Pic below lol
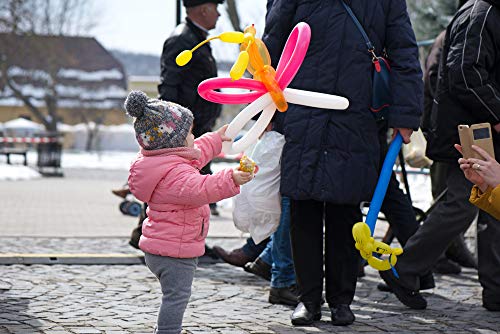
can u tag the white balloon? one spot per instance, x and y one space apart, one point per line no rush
317 100
262 103
266 104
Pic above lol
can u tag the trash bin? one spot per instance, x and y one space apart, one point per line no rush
49 150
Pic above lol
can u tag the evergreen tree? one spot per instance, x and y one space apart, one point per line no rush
430 17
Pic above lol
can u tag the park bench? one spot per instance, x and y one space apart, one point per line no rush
8 151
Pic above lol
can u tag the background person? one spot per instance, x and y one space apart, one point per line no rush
180 84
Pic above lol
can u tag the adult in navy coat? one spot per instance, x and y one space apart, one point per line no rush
330 159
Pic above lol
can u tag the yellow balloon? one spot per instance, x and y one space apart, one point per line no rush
259 56
184 57
367 245
232 37
239 67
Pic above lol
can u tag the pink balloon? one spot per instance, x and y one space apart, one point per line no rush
207 90
293 54
292 57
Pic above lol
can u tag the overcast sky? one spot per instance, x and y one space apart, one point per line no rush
143 25
133 25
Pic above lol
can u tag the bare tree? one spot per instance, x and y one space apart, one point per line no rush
27 18
47 17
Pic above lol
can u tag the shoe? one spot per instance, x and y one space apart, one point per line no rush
121 192
459 253
426 283
259 268
491 306
446 267
214 211
306 315
236 257
284 296
342 315
410 298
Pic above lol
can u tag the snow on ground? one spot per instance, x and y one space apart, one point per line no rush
17 172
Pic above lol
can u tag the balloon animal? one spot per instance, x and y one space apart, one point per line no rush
362 232
268 89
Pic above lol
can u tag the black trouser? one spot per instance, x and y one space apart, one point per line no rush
450 218
341 257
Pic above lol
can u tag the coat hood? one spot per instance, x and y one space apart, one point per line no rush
152 166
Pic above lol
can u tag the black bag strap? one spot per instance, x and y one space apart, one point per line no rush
369 45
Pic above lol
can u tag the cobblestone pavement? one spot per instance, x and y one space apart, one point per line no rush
124 299
118 299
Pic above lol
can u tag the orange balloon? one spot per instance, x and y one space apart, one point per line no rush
267 75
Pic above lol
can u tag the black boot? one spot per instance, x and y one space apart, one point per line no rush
342 315
306 314
410 298
284 296
259 268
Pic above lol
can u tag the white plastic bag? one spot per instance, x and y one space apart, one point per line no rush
414 152
257 208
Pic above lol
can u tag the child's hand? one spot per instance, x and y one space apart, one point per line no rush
240 177
222 133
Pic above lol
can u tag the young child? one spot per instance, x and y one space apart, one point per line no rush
166 175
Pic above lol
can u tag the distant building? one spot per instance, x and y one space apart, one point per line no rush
87 77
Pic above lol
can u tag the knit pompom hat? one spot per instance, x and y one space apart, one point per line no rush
158 124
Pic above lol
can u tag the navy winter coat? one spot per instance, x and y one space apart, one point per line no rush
333 155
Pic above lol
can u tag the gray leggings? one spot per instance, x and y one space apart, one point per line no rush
176 278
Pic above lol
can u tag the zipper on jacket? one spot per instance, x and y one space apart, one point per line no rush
202 227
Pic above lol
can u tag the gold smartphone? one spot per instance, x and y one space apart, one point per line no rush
476 134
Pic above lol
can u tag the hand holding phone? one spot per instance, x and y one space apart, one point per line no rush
476 134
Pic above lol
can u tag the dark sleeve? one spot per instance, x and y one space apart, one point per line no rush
279 24
470 78
430 80
170 75
406 74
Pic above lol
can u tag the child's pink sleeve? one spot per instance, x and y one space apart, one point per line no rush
210 145
196 190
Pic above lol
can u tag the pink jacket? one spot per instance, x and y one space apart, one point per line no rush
178 196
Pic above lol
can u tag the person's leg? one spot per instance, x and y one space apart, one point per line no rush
253 250
283 289
306 231
241 256
176 278
283 273
450 218
488 234
341 256
261 266
341 260
398 211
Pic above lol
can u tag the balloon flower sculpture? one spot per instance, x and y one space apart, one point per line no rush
268 88
363 232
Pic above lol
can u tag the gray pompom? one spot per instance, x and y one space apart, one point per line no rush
135 103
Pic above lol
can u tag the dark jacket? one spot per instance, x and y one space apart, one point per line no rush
180 84
430 80
469 78
333 155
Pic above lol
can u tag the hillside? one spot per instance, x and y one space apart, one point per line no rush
138 63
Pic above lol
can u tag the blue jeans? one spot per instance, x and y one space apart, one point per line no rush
278 251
